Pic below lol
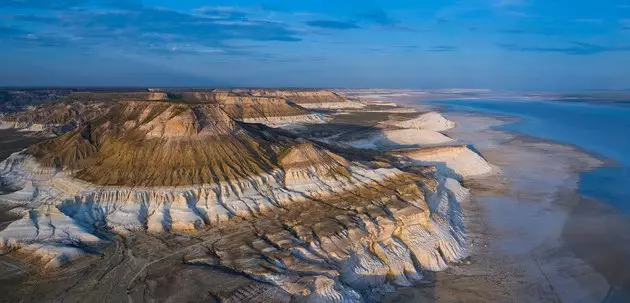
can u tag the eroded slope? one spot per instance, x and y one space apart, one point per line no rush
158 144
311 224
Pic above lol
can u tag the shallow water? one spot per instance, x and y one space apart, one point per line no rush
601 129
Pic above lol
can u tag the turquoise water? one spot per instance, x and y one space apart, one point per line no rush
601 129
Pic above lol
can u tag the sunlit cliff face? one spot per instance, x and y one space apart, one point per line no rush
289 211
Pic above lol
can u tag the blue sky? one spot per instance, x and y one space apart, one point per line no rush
498 44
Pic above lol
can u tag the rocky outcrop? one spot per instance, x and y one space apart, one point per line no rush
457 162
428 121
270 111
277 209
317 231
70 111
420 141
317 222
396 138
159 144
26 126
395 132
315 99
80 107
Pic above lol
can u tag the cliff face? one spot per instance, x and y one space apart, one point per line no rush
53 117
69 111
428 121
315 99
266 110
320 231
78 108
457 162
158 144
269 206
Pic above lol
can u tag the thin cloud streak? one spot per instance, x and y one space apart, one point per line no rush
576 48
332 24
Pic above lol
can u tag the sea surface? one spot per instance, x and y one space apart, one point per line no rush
600 129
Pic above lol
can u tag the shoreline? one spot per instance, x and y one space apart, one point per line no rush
507 119
442 250
593 279
521 248
524 231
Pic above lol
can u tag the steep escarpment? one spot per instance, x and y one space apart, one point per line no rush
245 106
458 162
69 111
263 204
55 117
158 144
313 99
397 132
265 110
322 231
430 121
79 107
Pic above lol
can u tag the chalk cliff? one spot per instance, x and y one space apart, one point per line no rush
280 209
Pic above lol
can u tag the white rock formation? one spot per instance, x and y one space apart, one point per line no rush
282 121
273 208
320 99
454 161
341 228
391 138
333 105
430 121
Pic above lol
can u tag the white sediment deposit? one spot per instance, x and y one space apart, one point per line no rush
391 138
428 145
333 105
268 206
6 125
428 121
417 132
279 121
454 161
277 209
62 218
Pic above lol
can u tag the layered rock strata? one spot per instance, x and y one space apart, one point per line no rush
282 210
457 162
315 99
78 108
424 130
429 121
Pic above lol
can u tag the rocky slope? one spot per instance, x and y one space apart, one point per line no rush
397 132
429 121
458 162
158 144
314 99
419 141
272 111
311 221
79 107
69 111
313 224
